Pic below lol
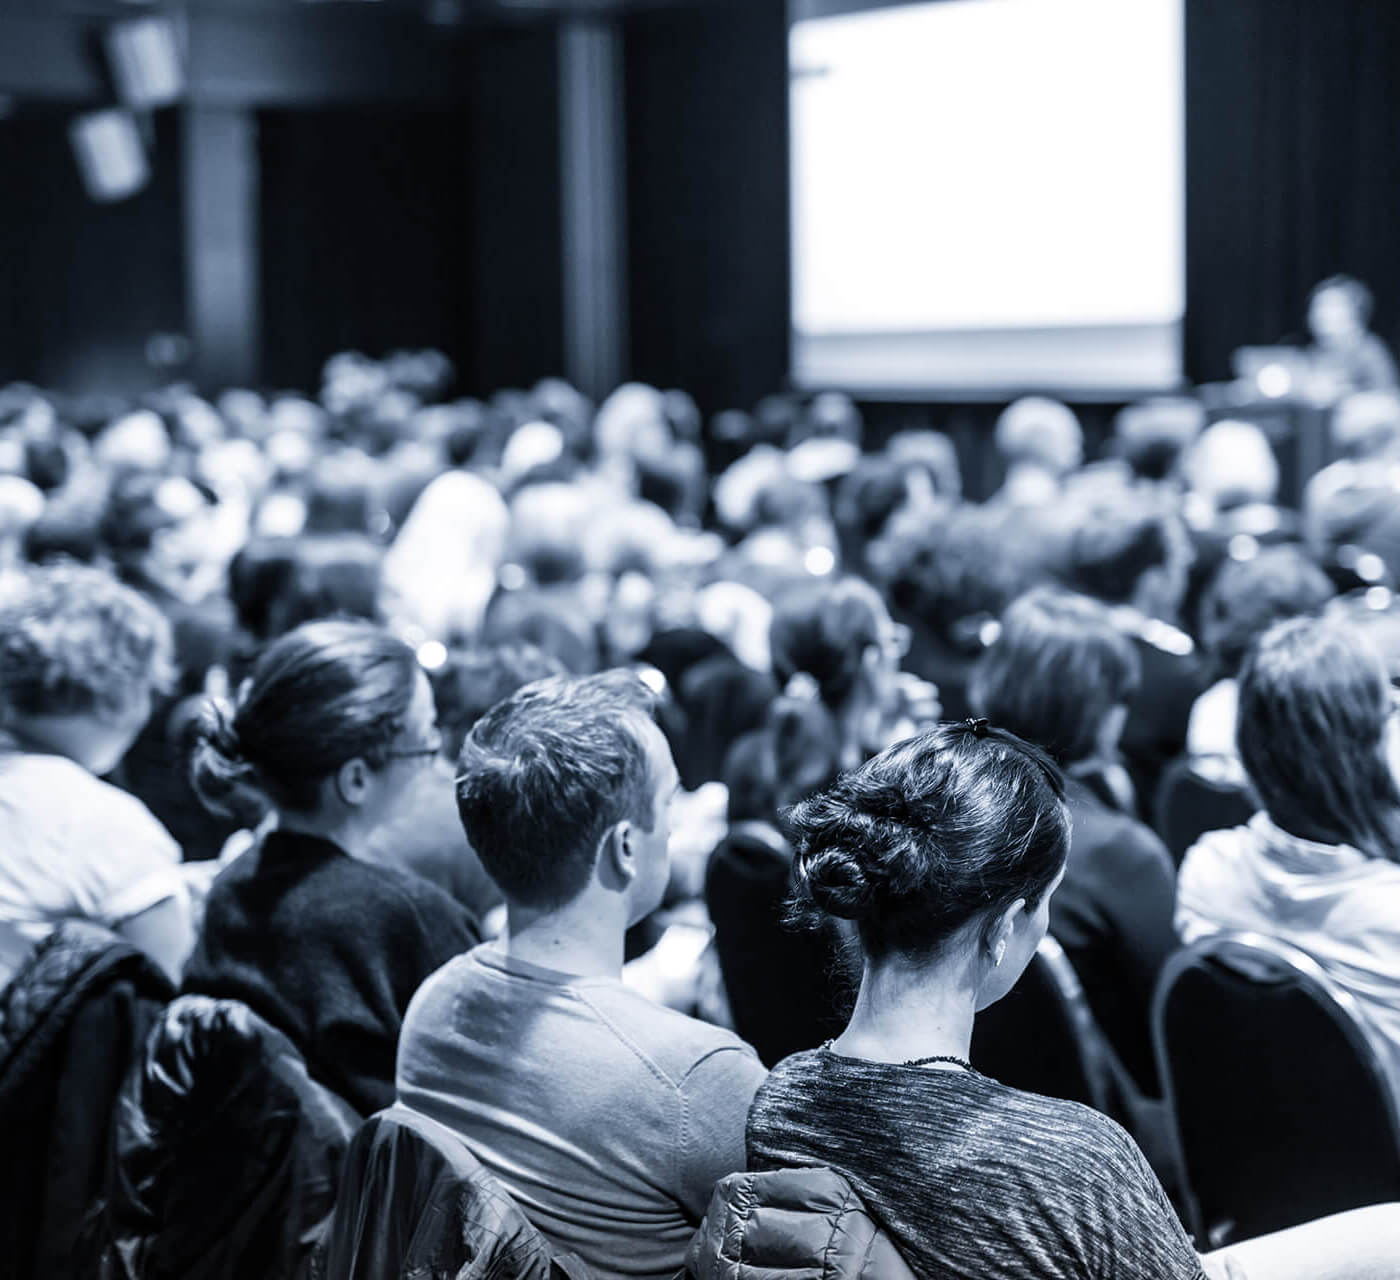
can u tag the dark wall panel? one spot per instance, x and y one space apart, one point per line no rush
708 198
361 213
514 234
84 285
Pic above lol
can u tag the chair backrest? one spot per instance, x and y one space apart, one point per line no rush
1189 804
415 1201
1042 1037
1279 1092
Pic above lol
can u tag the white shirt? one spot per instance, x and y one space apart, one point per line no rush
1333 902
1210 734
75 847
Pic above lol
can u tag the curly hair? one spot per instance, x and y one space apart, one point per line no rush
75 640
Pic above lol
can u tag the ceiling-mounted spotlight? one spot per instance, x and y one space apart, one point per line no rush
111 158
144 57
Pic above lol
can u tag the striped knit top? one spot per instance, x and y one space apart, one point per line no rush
972 1179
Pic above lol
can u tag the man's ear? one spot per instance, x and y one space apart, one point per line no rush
617 865
352 782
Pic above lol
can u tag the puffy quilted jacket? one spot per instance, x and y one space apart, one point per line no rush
414 1202
72 1021
791 1224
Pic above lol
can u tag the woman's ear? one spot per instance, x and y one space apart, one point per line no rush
352 782
998 937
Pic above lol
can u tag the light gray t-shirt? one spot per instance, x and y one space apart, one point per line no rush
609 1118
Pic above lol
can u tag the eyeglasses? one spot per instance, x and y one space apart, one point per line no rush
432 748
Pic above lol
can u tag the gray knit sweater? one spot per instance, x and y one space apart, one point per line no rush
970 1178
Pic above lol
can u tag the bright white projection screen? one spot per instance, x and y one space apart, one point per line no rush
987 195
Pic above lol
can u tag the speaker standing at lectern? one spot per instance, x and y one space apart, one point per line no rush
1346 355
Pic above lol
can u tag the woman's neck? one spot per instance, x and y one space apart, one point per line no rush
905 1012
341 830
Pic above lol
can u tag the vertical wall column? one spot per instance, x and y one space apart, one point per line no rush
593 180
220 182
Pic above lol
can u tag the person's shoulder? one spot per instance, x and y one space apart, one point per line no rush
1077 1136
674 1043
406 893
1227 846
1103 835
122 821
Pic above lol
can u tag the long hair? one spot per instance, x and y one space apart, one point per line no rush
1314 708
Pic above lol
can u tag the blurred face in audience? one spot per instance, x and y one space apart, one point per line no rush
383 794
650 850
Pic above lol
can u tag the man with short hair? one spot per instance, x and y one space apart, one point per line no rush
607 1117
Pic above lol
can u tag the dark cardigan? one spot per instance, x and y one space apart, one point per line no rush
329 950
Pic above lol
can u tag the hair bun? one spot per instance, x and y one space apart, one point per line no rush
837 883
218 731
220 771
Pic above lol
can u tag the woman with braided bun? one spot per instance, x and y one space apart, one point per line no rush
944 852
329 730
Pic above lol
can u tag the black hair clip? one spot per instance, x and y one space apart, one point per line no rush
979 726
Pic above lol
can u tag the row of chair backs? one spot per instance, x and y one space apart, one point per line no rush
1279 1096
1279 1091
1042 1036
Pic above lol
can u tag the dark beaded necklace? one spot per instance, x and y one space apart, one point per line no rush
939 1057
921 1062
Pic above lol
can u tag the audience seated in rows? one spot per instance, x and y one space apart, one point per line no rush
781 618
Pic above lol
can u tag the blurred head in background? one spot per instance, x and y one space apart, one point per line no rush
81 659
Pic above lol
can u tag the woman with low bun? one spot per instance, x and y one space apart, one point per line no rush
944 851
836 656
835 644
329 731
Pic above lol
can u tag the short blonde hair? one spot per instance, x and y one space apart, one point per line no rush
74 640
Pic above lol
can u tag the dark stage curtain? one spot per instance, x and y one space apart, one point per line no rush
707 191
1293 166
385 227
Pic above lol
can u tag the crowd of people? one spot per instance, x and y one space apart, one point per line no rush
648 806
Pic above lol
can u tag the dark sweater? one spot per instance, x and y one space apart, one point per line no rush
970 1178
1113 915
330 951
785 986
